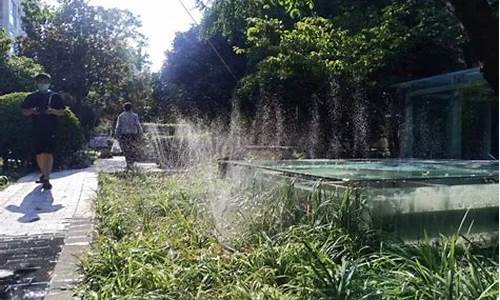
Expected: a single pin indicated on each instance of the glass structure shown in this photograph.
(409, 197)
(447, 177)
(454, 115)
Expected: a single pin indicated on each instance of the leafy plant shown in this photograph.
(16, 139)
(17, 71)
(164, 243)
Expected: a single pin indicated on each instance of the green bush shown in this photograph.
(16, 136)
(17, 71)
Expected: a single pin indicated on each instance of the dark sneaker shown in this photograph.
(40, 180)
(46, 185)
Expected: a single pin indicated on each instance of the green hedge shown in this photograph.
(16, 137)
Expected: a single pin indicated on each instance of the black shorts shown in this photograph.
(44, 142)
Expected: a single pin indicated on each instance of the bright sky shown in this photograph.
(161, 19)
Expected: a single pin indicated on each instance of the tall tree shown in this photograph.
(93, 54)
(17, 71)
(85, 48)
(195, 80)
(328, 64)
(481, 24)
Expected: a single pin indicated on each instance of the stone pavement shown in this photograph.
(42, 231)
(118, 164)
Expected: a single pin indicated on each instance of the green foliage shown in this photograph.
(4, 44)
(94, 54)
(11, 171)
(181, 88)
(160, 244)
(337, 46)
(69, 141)
(17, 71)
(36, 14)
(16, 135)
(4, 180)
(323, 64)
(139, 92)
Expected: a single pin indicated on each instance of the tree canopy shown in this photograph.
(194, 82)
(17, 71)
(329, 64)
(317, 65)
(94, 54)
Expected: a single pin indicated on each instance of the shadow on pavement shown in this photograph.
(35, 203)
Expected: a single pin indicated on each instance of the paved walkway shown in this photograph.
(118, 164)
(42, 231)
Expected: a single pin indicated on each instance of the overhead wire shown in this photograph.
(226, 65)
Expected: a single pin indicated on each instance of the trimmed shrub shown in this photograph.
(16, 136)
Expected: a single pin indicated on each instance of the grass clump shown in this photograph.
(159, 238)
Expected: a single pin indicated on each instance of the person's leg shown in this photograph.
(38, 149)
(42, 147)
(46, 169)
(51, 163)
(47, 158)
(48, 164)
(125, 146)
(133, 149)
(44, 162)
(41, 163)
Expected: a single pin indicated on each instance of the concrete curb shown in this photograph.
(79, 235)
(66, 275)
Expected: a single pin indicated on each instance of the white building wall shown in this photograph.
(11, 17)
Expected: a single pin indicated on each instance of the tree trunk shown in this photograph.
(481, 25)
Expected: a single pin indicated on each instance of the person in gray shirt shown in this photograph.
(128, 130)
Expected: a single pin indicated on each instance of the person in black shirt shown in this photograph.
(44, 107)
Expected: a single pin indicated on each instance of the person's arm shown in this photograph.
(56, 112)
(27, 107)
(118, 127)
(28, 112)
(56, 106)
